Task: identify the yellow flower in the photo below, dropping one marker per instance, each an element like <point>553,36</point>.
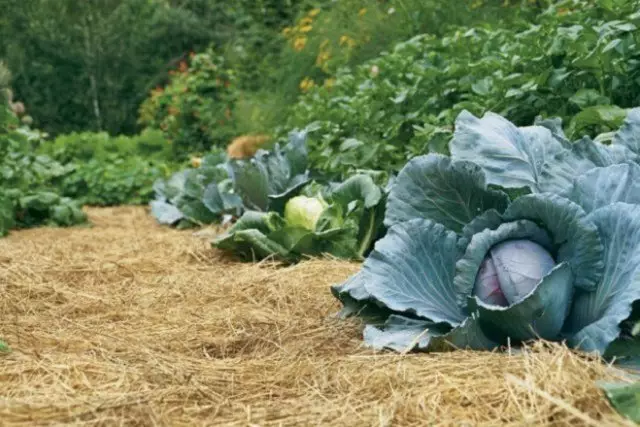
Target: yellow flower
<point>362,11</point>
<point>306,28</point>
<point>329,83</point>
<point>286,31</point>
<point>305,21</point>
<point>346,40</point>
<point>306,84</point>
<point>314,12</point>
<point>322,57</point>
<point>299,43</point>
<point>196,162</point>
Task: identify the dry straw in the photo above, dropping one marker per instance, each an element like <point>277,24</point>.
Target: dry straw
<point>130,323</point>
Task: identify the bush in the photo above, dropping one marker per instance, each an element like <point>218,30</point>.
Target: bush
<point>195,109</point>
<point>578,58</point>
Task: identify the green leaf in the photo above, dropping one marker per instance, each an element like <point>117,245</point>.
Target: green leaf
<point>608,115</point>
<point>411,270</point>
<point>576,236</point>
<point>629,134</point>
<point>403,334</point>
<point>625,398</point>
<point>165,213</point>
<point>449,193</point>
<point>540,314</point>
<point>603,186</point>
<point>41,201</point>
<point>251,244</point>
<point>357,188</point>
<point>584,98</point>
<point>602,155</point>
<point>4,347</point>
<point>514,157</point>
<point>468,265</point>
<point>595,317</point>
<point>7,215</point>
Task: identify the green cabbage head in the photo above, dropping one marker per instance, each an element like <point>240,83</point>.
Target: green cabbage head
<point>304,212</point>
<point>519,235</point>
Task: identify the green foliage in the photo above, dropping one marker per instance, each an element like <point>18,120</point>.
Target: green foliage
<point>625,398</point>
<point>194,109</point>
<point>465,265</point>
<point>101,170</point>
<point>27,184</point>
<point>577,60</point>
<point>89,65</point>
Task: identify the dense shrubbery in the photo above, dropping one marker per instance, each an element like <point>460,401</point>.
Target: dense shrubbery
<point>578,59</point>
<point>195,109</point>
<point>102,170</point>
<point>28,182</point>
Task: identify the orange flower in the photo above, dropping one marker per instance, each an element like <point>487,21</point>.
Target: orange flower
<point>183,67</point>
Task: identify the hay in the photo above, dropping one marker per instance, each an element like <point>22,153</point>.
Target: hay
<point>131,323</point>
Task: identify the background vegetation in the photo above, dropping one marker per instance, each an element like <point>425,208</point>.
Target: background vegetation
<point>374,81</point>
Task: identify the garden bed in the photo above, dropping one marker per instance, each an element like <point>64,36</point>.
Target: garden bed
<point>130,322</point>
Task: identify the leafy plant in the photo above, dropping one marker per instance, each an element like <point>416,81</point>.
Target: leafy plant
<point>27,184</point>
<point>344,222</point>
<point>194,109</point>
<point>577,60</point>
<point>270,178</point>
<point>625,398</point>
<point>196,196</point>
<point>519,235</point>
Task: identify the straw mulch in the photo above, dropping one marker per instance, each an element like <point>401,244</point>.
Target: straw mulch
<point>130,323</point>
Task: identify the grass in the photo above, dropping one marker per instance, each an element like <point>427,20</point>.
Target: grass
<point>131,323</point>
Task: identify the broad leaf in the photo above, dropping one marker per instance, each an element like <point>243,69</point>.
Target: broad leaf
<point>625,398</point>
<point>603,186</point>
<point>595,318</point>
<point>629,134</point>
<point>577,237</point>
<point>513,157</point>
<point>449,193</point>
<point>601,155</point>
<point>411,270</point>
<point>403,334</point>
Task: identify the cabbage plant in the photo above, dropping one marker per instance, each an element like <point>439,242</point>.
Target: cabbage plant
<point>196,196</point>
<point>345,221</point>
<point>519,235</point>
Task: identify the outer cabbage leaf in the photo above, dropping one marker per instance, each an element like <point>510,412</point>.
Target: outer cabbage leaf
<point>602,155</point>
<point>449,193</point>
<point>594,321</point>
<point>468,265</point>
<point>165,213</point>
<point>259,235</point>
<point>404,334</point>
<point>603,186</point>
<point>513,157</point>
<point>411,270</point>
<point>266,181</point>
<point>629,134</point>
<point>196,196</point>
<point>360,204</point>
<point>576,236</point>
<point>541,314</point>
